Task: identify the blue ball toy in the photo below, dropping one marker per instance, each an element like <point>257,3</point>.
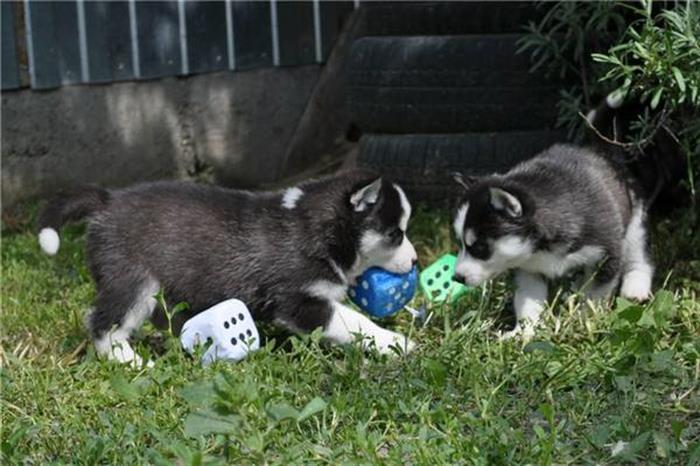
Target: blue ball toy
<point>380,293</point>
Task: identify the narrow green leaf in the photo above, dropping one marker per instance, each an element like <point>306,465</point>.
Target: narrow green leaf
<point>179,307</point>
<point>599,57</point>
<point>641,51</point>
<point>679,78</point>
<point>657,97</point>
<point>312,407</point>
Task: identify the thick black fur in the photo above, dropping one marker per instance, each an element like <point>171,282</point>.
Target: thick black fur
<point>204,244</point>
<point>71,205</point>
<point>570,196</point>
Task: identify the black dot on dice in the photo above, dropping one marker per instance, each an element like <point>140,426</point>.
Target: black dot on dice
<point>234,341</point>
<point>209,341</point>
<point>240,316</point>
<point>226,325</point>
<point>445,268</point>
<point>446,285</point>
<point>430,282</point>
<point>249,333</point>
<point>233,320</point>
<point>437,275</point>
<point>241,336</point>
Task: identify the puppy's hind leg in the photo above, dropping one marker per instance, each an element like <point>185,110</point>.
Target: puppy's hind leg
<point>121,307</point>
<point>637,268</point>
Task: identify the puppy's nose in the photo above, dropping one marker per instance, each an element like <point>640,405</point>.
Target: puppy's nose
<point>459,278</point>
<point>414,261</point>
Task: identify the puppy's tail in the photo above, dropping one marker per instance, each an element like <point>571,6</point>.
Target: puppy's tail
<point>604,118</point>
<point>68,206</point>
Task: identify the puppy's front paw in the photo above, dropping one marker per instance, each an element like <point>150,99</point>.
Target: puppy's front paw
<point>636,285</point>
<point>524,332</point>
<point>138,363</point>
<point>123,353</point>
<point>387,339</point>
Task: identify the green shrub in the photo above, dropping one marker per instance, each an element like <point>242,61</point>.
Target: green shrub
<point>646,52</point>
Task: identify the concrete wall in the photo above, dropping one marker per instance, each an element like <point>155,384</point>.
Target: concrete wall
<point>237,124</point>
<point>243,129</point>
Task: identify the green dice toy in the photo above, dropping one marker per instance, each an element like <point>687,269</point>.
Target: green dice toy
<point>436,281</point>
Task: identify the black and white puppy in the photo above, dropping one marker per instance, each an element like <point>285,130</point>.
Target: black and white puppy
<point>566,208</point>
<point>289,255</point>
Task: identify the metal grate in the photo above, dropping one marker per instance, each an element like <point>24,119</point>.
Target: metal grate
<point>79,41</point>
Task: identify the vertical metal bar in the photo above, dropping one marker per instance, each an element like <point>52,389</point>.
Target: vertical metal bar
<point>135,61</point>
<point>30,43</point>
<point>317,31</point>
<point>275,33</point>
<point>356,4</point>
<point>82,37</point>
<point>184,59</point>
<point>229,36</point>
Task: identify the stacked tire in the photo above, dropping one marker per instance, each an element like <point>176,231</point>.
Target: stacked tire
<point>454,95</point>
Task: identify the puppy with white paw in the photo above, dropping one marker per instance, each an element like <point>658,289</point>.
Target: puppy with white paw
<point>289,255</point>
<point>564,209</point>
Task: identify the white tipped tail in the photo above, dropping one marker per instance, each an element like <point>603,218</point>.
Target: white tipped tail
<point>615,99</point>
<point>49,241</point>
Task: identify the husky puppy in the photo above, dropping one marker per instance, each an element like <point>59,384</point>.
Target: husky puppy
<point>289,255</point>
<point>566,208</point>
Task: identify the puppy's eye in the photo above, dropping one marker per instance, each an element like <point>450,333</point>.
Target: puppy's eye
<point>479,249</point>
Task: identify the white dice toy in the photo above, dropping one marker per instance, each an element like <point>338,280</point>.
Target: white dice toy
<point>229,329</point>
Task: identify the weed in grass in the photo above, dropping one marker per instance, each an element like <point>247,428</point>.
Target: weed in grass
<point>599,385</point>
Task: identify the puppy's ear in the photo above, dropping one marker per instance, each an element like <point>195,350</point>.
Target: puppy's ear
<point>366,196</point>
<point>464,181</point>
<point>505,202</point>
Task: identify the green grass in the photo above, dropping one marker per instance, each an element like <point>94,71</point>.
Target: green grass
<point>624,379</point>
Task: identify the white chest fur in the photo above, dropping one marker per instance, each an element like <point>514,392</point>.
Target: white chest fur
<point>553,264</point>
<point>326,289</point>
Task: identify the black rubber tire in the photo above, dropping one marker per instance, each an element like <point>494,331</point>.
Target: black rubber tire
<point>453,111</point>
<point>423,163</point>
<point>443,18</point>
<point>447,84</point>
<point>442,61</point>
